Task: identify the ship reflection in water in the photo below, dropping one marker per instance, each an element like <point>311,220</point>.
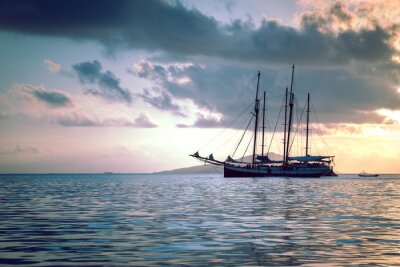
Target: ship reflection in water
<point>147,220</point>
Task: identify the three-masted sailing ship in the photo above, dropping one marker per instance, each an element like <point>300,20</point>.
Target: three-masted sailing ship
<point>306,165</point>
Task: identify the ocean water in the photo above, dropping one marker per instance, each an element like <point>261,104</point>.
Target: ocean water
<point>198,220</point>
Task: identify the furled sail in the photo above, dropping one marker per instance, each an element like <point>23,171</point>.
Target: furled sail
<point>310,158</point>
<point>231,160</point>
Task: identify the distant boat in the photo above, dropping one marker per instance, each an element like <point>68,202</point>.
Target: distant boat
<point>364,174</point>
<point>261,165</point>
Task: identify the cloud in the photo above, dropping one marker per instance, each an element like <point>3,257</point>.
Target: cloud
<point>52,66</point>
<point>18,149</point>
<point>56,107</point>
<point>51,98</point>
<point>391,116</point>
<point>144,121</point>
<point>145,69</point>
<point>162,102</point>
<point>76,119</point>
<point>203,122</point>
<point>182,31</point>
<point>337,10</point>
<point>80,119</point>
<point>54,99</point>
<point>109,88</point>
<point>209,87</point>
<point>346,52</point>
<point>338,94</point>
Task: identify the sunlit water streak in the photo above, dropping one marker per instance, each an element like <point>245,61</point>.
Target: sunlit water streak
<point>97,220</point>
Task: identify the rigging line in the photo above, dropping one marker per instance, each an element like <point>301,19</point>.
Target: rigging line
<point>233,135</point>
<point>225,128</point>
<point>268,113</point>
<point>216,169</point>
<point>274,142</point>
<point>251,119</point>
<point>247,147</point>
<point>298,124</point>
<point>212,166</point>
<point>276,125</point>
<point>247,86</point>
<point>315,145</point>
<point>320,135</point>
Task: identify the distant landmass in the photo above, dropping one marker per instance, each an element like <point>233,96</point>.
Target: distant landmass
<point>202,169</point>
<point>211,168</point>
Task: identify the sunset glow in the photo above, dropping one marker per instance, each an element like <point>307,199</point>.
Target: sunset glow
<point>138,93</point>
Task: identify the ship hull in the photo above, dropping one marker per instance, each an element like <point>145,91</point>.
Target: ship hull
<point>231,171</point>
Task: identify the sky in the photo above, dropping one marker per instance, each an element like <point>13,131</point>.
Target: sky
<point>136,86</point>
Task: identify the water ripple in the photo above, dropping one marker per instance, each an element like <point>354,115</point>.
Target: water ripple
<point>151,220</point>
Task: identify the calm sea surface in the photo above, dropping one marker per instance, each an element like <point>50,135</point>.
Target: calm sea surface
<point>144,220</point>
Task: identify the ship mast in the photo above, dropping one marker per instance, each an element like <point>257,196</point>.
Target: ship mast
<point>308,120</point>
<point>256,110</point>
<point>291,99</point>
<point>263,128</point>
<point>285,123</point>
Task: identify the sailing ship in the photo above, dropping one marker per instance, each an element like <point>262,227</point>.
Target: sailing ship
<point>306,165</point>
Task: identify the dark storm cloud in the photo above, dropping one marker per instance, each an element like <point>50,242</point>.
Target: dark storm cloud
<point>173,28</point>
<point>310,45</point>
<point>109,85</point>
<point>338,95</point>
<point>217,89</point>
<point>208,87</point>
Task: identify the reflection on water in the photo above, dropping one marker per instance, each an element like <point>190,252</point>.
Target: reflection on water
<point>96,220</point>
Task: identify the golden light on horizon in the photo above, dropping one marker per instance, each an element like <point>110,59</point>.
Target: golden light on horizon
<point>396,59</point>
<point>392,115</point>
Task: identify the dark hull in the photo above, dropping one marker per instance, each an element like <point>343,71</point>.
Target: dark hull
<point>232,172</point>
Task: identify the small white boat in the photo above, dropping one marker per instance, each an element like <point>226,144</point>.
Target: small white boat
<point>364,174</point>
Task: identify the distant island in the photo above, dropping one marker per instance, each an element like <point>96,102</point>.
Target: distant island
<point>201,169</point>
<point>211,169</point>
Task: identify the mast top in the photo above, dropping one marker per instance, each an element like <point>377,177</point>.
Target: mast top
<point>291,81</point>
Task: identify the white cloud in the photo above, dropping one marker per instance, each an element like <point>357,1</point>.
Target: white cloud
<point>144,121</point>
<point>52,66</point>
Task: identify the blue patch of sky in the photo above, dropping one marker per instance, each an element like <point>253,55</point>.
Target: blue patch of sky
<point>23,58</point>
